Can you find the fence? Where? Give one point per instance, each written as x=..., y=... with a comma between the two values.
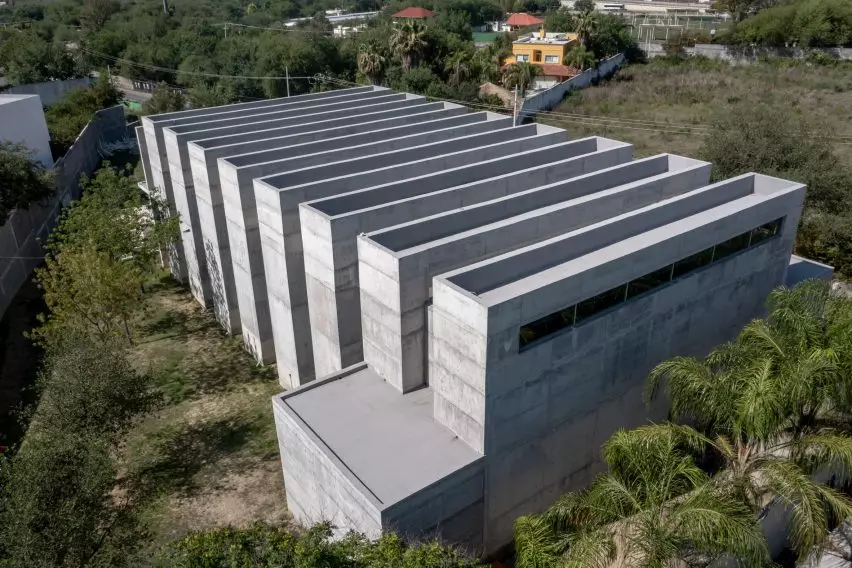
x=50, y=91
x=25, y=229
x=744, y=55
x=548, y=99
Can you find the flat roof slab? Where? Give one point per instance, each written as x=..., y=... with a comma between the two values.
x=390, y=443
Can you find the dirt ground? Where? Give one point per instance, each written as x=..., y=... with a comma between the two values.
x=209, y=456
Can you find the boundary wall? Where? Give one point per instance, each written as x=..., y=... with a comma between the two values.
x=25, y=229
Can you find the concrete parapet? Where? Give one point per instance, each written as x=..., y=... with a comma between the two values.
x=336, y=333
x=419, y=250
x=366, y=123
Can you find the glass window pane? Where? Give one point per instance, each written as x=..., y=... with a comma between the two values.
x=765, y=232
x=693, y=262
x=599, y=303
x=545, y=326
x=649, y=281
x=731, y=246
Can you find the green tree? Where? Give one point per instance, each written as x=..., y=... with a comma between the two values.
x=520, y=75
x=371, y=64
x=55, y=501
x=90, y=388
x=584, y=6
x=776, y=404
x=580, y=58
x=28, y=58
x=23, y=180
x=95, y=13
x=654, y=508
x=99, y=256
x=67, y=116
x=459, y=67
x=408, y=40
x=585, y=25
x=559, y=21
x=164, y=99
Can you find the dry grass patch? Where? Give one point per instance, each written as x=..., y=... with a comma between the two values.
x=209, y=457
x=693, y=93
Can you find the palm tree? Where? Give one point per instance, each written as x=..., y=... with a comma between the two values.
x=371, y=64
x=408, y=40
x=580, y=58
x=586, y=23
x=654, y=508
x=459, y=68
x=776, y=403
x=520, y=75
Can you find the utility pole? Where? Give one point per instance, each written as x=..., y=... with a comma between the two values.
x=287, y=79
x=226, y=31
x=515, y=108
x=165, y=6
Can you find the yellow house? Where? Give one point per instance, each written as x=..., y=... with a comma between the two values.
x=542, y=48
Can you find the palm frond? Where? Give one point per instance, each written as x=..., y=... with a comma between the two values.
x=536, y=543
x=590, y=549
x=717, y=525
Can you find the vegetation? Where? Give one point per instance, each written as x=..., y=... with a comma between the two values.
x=99, y=258
x=783, y=118
x=805, y=23
x=654, y=507
x=262, y=545
x=770, y=411
x=67, y=117
x=23, y=180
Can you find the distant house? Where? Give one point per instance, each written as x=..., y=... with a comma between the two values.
x=547, y=51
x=521, y=20
x=413, y=13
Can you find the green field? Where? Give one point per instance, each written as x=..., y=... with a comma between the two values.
x=665, y=108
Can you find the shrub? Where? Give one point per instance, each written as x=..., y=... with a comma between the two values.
x=23, y=180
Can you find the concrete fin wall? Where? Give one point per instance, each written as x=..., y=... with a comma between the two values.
x=282, y=239
x=398, y=345
x=185, y=203
x=203, y=155
x=158, y=158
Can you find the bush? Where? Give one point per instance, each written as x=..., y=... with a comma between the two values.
x=262, y=545
x=67, y=116
x=23, y=180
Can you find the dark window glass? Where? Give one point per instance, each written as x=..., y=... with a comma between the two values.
x=693, y=262
x=573, y=315
x=766, y=231
x=547, y=325
x=731, y=246
x=599, y=303
x=649, y=281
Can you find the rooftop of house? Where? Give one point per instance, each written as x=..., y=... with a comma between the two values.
x=551, y=38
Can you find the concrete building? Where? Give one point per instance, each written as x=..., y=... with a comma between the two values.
x=468, y=309
x=22, y=122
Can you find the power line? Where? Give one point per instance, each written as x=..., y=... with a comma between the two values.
x=191, y=73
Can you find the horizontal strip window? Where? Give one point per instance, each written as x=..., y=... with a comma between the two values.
x=540, y=329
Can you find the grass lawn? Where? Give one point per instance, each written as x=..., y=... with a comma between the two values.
x=209, y=456
x=657, y=96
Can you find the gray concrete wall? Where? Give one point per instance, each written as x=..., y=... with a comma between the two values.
x=203, y=155
x=50, y=91
x=318, y=487
x=185, y=203
x=161, y=184
x=281, y=230
x=453, y=509
x=546, y=100
x=541, y=414
x=399, y=262
x=23, y=233
x=303, y=165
